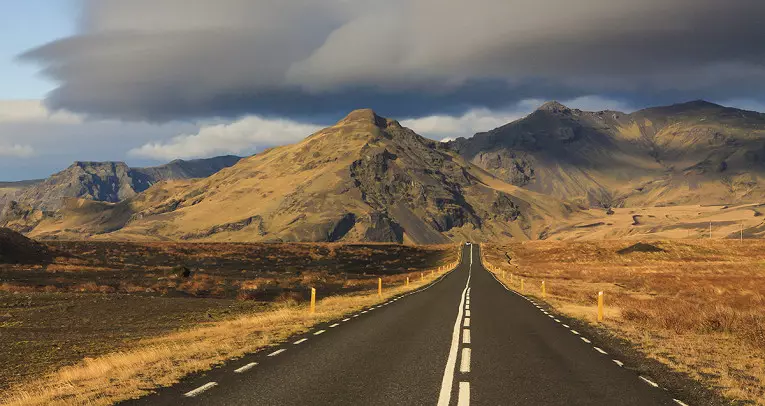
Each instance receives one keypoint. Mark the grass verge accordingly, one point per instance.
(697, 307)
(163, 361)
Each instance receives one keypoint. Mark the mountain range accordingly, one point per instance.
(557, 173)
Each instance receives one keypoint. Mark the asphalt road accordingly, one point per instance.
(462, 340)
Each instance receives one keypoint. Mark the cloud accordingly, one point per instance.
(16, 150)
(175, 59)
(449, 127)
(33, 110)
(240, 137)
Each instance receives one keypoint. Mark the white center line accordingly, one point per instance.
(467, 313)
(245, 368)
(302, 340)
(465, 336)
(465, 361)
(448, 380)
(467, 307)
(599, 350)
(467, 322)
(319, 332)
(277, 352)
(200, 389)
(463, 398)
(334, 325)
(648, 381)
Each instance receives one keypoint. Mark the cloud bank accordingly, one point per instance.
(176, 59)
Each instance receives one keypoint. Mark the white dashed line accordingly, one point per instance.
(465, 361)
(575, 332)
(245, 368)
(445, 395)
(557, 321)
(302, 340)
(600, 350)
(355, 315)
(364, 312)
(648, 381)
(679, 402)
(200, 389)
(465, 336)
(467, 322)
(346, 319)
(586, 340)
(463, 398)
(277, 352)
(617, 362)
(467, 313)
(467, 307)
(320, 332)
(566, 326)
(334, 325)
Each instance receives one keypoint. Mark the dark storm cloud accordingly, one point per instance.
(170, 59)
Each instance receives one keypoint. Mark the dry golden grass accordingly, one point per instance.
(697, 306)
(163, 361)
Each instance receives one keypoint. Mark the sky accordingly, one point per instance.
(148, 81)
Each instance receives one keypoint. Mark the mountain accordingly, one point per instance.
(366, 178)
(10, 190)
(109, 181)
(690, 153)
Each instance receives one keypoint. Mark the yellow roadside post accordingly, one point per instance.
(600, 306)
(522, 285)
(313, 300)
(379, 287)
(407, 281)
(422, 276)
(544, 291)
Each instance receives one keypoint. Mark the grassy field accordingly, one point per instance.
(132, 314)
(695, 306)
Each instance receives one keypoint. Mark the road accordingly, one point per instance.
(464, 340)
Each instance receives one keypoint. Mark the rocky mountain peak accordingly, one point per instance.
(366, 116)
(554, 107)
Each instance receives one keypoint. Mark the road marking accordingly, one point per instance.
(346, 319)
(599, 350)
(465, 336)
(467, 322)
(465, 361)
(364, 312)
(648, 381)
(334, 325)
(557, 321)
(566, 326)
(277, 352)
(200, 389)
(467, 313)
(617, 362)
(319, 332)
(448, 380)
(245, 368)
(586, 340)
(463, 398)
(355, 315)
(575, 332)
(467, 307)
(550, 316)
(679, 402)
(302, 340)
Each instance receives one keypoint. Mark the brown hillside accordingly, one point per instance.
(366, 178)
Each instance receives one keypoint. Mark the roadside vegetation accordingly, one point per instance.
(695, 306)
(105, 322)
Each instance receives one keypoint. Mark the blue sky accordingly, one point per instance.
(27, 24)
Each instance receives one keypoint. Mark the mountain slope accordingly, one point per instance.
(366, 178)
(691, 153)
(110, 181)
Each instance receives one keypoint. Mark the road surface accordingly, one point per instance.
(464, 340)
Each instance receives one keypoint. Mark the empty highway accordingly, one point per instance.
(464, 340)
